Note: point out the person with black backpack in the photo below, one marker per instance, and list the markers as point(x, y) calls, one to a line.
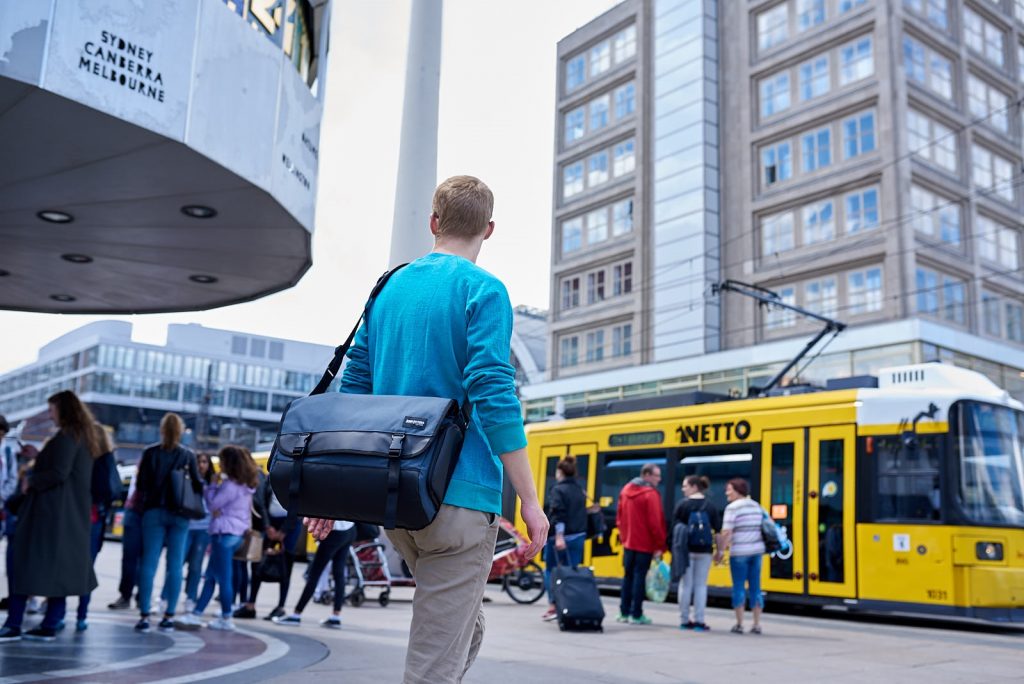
point(702, 521)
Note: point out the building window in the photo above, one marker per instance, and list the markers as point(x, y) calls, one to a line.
point(625, 158)
point(819, 222)
point(864, 291)
point(625, 101)
point(597, 226)
point(245, 399)
point(809, 13)
point(595, 346)
point(931, 141)
point(775, 94)
point(847, 5)
point(1018, 10)
point(928, 68)
point(1014, 322)
point(595, 287)
point(624, 44)
point(1020, 63)
point(861, 210)
point(622, 340)
point(814, 78)
point(276, 351)
point(773, 26)
point(992, 172)
point(572, 180)
point(570, 293)
point(991, 311)
point(816, 149)
point(239, 344)
point(997, 243)
point(570, 352)
point(858, 135)
point(777, 233)
point(777, 317)
point(572, 235)
point(622, 217)
point(941, 295)
point(983, 37)
point(856, 61)
point(599, 112)
point(777, 163)
point(257, 348)
point(934, 11)
point(574, 129)
point(622, 278)
point(600, 58)
point(822, 296)
point(987, 104)
point(935, 216)
point(575, 72)
point(597, 169)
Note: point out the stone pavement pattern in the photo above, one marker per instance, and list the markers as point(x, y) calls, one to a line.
point(371, 648)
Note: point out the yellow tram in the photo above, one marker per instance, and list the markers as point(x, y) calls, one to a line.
point(903, 492)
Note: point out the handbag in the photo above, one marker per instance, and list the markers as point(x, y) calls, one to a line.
point(770, 534)
point(272, 567)
point(596, 526)
point(384, 460)
point(184, 499)
point(251, 548)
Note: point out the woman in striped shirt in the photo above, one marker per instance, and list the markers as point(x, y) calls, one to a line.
point(741, 536)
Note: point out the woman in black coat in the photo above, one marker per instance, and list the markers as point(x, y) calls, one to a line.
point(51, 541)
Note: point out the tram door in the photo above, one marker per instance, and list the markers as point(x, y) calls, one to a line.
point(831, 553)
point(585, 455)
point(782, 495)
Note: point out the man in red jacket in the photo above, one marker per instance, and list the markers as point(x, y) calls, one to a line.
point(641, 523)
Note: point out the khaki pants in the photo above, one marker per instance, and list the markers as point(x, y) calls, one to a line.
point(450, 559)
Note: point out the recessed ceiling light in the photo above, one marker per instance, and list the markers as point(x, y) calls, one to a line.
point(62, 298)
point(76, 258)
point(3, 273)
point(202, 279)
point(53, 216)
point(198, 211)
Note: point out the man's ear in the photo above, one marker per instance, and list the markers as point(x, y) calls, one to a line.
point(490, 229)
point(435, 226)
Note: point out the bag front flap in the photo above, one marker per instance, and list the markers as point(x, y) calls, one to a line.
point(362, 423)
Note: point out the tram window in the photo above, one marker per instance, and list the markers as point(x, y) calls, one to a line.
point(582, 472)
point(719, 469)
point(782, 493)
point(617, 473)
point(830, 511)
point(908, 478)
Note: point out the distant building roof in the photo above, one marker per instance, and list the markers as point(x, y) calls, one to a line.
point(529, 344)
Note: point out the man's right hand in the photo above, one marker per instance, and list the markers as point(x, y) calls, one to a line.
point(536, 527)
point(319, 527)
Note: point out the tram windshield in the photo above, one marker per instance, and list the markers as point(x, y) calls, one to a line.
point(989, 442)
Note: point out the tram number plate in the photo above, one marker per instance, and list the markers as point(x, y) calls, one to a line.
point(938, 594)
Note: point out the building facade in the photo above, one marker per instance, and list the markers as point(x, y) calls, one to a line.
point(860, 158)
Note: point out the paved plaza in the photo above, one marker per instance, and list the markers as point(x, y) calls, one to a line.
point(519, 647)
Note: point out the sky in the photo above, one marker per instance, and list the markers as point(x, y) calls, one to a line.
point(497, 122)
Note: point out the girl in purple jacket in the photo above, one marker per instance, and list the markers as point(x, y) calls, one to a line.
point(229, 500)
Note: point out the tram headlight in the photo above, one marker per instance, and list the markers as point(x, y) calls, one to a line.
point(989, 551)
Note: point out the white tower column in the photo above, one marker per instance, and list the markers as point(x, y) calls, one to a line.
point(417, 157)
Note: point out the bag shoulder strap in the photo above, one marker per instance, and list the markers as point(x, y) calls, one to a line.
point(342, 349)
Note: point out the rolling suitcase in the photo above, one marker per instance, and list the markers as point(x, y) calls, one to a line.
point(577, 601)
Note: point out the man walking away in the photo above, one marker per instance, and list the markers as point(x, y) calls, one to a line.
point(442, 327)
point(641, 522)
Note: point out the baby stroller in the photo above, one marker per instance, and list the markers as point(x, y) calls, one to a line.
point(366, 566)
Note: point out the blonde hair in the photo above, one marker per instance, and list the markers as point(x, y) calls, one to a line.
point(104, 445)
point(172, 427)
point(463, 206)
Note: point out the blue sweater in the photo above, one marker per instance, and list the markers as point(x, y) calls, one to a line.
point(441, 327)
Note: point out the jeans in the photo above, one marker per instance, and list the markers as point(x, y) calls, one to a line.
point(573, 554)
point(56, 606)
point(634, 582)
point(219, 571)
point(334, 550)
point(240, 579)
point(746, 570)
point(95, 544)
point(131, 552)
point(196, 543)
point(161, 527)
point(694, 587)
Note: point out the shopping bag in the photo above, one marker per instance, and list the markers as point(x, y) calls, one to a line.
point(659, 577)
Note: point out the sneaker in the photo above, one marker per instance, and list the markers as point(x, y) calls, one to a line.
point(188, 622)
point(687, 625)
point(642, 620)
point(276, 613)
point(10, 634)
point(4, 602)
point(60, 627)
point(142, 626)
point(702, 627)
point(81, 626)
point(120, 604)
point(293, 620)
point(223, 624)
point(737, 629)
point(332, 622)
point(245, 613)
point(550, 615)
point(756, 629)
point(622, 618)
point(41, 634)
point(190, 605)
point(167, 624)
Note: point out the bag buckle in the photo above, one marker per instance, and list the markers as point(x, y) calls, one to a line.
point(395, 450)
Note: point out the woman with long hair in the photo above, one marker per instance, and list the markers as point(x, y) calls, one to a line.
point(198, 540)
point(229, 500)
point(703, 520)
point(51, 541)
point(105, 489)
point(566, 506)
point(162, 524)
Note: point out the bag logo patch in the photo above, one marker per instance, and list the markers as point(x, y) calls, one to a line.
point(414, 422)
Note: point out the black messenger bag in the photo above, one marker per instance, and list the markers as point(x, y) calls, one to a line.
point(384, 460)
